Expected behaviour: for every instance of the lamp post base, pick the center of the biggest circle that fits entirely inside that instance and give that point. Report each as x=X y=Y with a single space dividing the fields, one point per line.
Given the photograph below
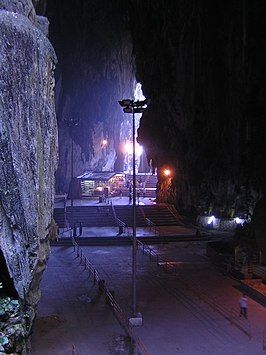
x=136 y=321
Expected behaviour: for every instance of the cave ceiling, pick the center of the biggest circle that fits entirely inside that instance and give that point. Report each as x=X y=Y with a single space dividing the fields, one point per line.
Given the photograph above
x=202 y=65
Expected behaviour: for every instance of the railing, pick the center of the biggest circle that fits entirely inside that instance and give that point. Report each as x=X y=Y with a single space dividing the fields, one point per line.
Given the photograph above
x=264 y=341
x=170 y=208
x=65 y=231
x=119 y=313
x=114 y=213
x=74 y=352
x=152 y=226
x=147 y=250
x=118 y=221
x=259 y=271
x=228 y=313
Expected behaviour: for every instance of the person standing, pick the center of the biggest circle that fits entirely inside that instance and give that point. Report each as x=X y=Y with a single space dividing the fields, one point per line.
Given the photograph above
x=138 y=195
x=144 y=193
x=243 y=304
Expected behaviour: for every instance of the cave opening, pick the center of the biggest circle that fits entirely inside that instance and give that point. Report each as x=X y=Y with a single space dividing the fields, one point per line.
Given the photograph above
x=8 y=288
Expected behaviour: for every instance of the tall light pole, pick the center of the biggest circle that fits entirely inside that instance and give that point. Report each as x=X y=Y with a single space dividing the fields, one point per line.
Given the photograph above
x=131 y=106
x=71 y=123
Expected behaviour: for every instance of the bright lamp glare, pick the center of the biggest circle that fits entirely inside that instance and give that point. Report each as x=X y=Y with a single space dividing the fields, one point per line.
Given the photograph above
x=167 y=172
x=239 y=220
x=211 y=219
x=128 y=148
x=139 y=150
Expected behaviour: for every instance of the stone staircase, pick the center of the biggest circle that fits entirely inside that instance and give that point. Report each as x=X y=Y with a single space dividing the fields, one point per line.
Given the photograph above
x=149 y=183
x=88 y=216
x=104 y=216
x=162 y=215
x=59 y=217
x=125 y=214
x=159 y=215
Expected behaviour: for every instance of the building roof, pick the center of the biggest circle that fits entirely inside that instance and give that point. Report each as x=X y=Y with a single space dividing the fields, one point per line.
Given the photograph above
x=97 y=175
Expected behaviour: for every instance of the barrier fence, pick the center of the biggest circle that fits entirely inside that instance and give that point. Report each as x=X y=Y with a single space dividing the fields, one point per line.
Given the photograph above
x=264 y=341
x=152 y=226
x=137 y=343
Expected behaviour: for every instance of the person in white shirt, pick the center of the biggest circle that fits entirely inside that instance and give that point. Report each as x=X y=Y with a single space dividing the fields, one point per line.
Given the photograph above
x=243 y=304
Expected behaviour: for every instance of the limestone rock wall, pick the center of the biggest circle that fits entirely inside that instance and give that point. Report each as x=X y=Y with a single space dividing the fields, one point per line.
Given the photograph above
x=202 y=64
x=28 y=145
x=95 y=70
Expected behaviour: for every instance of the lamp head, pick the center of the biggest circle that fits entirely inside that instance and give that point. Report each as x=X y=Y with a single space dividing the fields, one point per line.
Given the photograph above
x=139 y=110
x=144 y=103
x=127 y=109
x=125 y=102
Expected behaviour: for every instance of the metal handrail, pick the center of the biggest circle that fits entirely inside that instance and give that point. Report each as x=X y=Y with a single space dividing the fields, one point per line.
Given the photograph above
x=259 y=271
x=119 y=222
x=64 y=231
x=152 y=225
x=120 y=314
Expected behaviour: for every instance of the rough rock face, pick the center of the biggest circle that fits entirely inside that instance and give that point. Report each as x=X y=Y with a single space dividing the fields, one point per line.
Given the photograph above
x=22 y=7
x=28 y=147
x=95 y=70
x=202 y=65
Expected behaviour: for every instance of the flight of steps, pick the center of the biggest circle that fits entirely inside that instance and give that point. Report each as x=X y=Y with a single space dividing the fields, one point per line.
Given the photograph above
x=149 y=182
x=88 y=216
x=103 y=216
x=161 y=215
x=59 y=217
x=125 y=214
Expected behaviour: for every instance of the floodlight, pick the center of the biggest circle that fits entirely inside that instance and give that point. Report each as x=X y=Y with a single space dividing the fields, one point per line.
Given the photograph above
x=125 y=102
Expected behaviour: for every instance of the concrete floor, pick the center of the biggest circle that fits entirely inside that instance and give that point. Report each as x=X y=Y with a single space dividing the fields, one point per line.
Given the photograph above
x=74 y=318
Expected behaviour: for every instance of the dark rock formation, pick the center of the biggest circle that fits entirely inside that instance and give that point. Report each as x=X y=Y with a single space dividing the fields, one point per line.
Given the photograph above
x=206 y=79
x=96 y=69
x=202 y=65
x=28 y=149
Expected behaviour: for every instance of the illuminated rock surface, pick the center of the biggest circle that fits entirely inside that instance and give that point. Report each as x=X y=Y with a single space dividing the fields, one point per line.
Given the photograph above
x=28 y=151
x=202 y=65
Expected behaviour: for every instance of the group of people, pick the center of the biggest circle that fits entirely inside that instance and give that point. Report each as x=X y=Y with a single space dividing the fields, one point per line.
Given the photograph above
x=140 y=189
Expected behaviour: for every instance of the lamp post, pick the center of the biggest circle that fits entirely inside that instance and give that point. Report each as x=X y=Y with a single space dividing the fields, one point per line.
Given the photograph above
x=71 y=123
x=131 y=106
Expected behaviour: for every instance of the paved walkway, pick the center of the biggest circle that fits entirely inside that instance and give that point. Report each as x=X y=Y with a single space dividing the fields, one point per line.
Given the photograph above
x=74 y=318
x=99 y=232
x=94 y=201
